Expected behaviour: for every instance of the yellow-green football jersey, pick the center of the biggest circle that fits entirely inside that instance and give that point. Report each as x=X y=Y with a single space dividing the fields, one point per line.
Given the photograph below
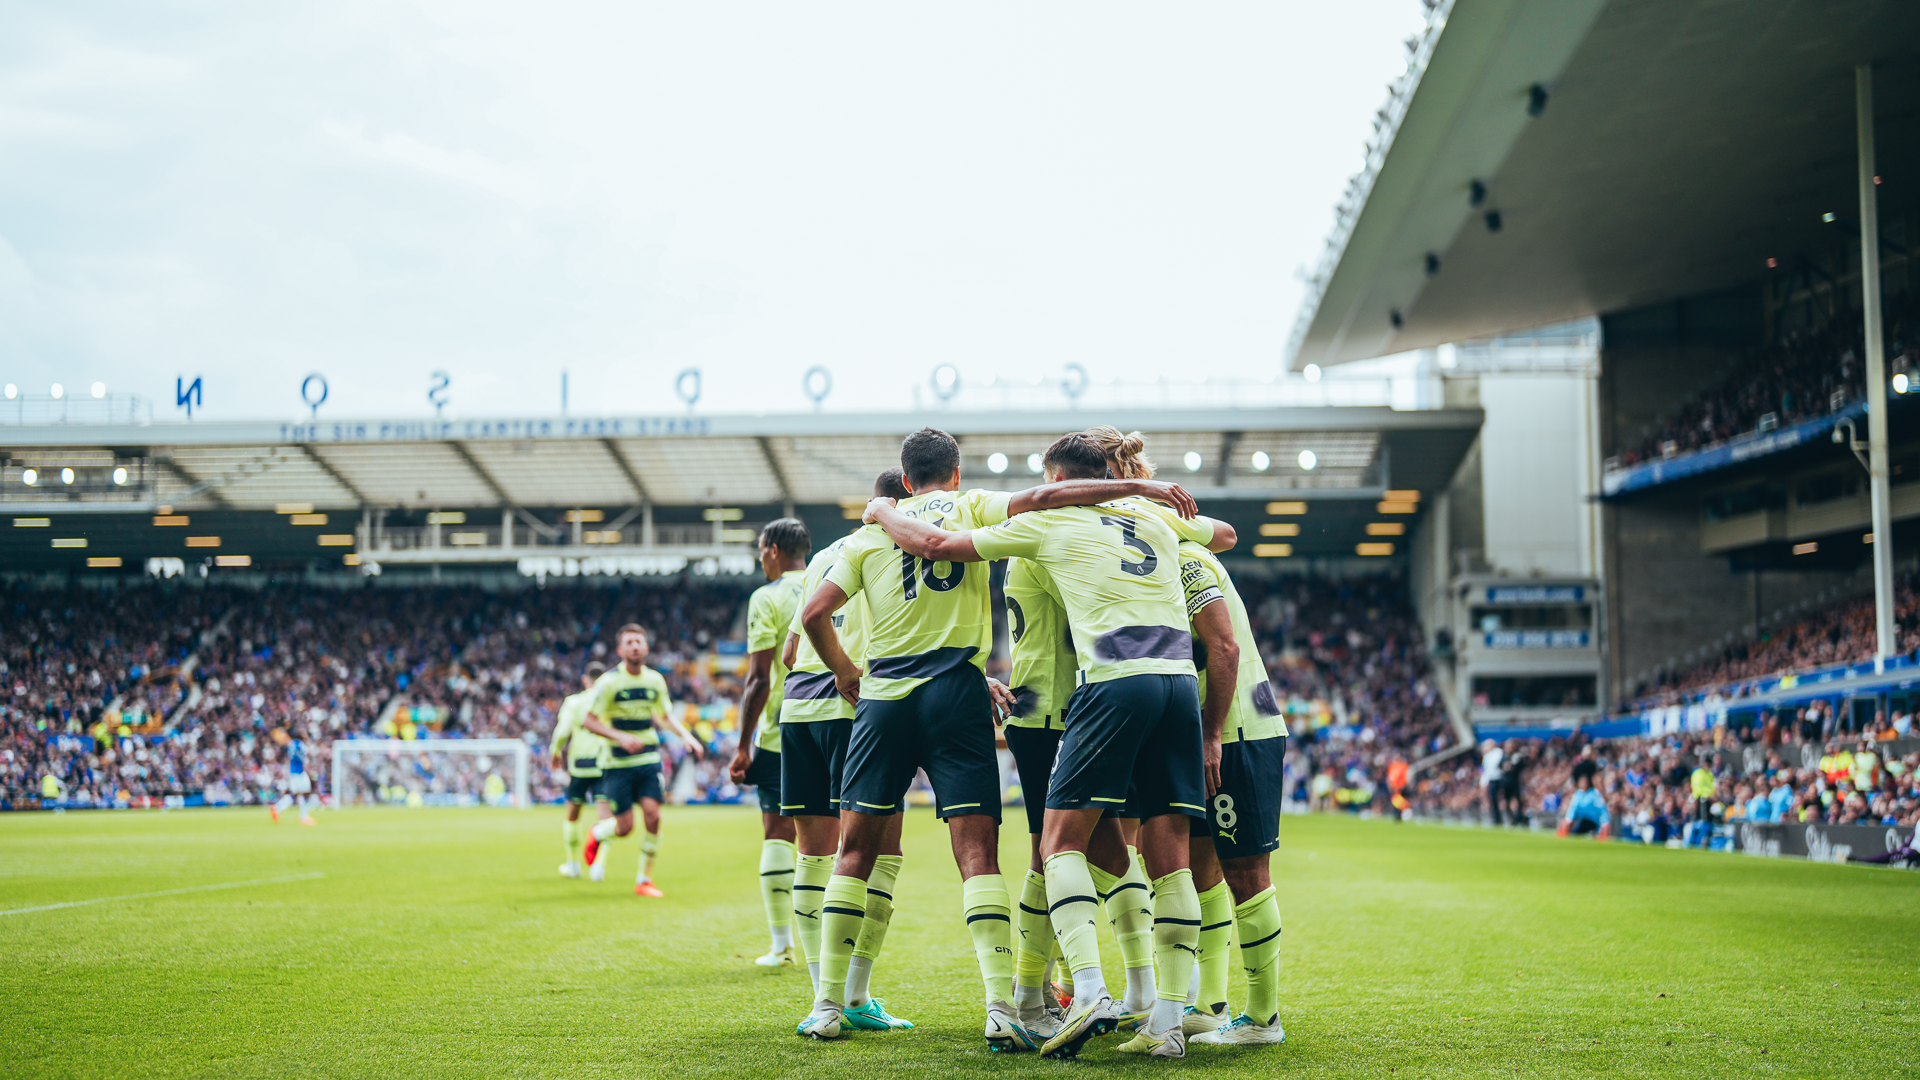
x=769 y=612
x=1044 y=669
x=1256 y=712
x=812 y=693
x=1116 y=570
x=582 y=747
x=923 y=618
x=631 y=703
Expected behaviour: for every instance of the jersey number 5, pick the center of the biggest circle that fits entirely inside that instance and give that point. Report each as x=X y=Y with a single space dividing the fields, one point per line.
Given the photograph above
x=910 y=580
x=1148 y=559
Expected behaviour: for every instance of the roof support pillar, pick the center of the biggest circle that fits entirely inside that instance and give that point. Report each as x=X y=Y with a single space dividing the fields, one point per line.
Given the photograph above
x=1877 y=471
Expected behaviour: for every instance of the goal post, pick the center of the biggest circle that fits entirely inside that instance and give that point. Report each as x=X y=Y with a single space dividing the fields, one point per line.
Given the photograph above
x=432 y=772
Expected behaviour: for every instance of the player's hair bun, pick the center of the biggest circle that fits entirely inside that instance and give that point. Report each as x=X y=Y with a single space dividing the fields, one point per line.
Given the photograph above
x=1126 y=454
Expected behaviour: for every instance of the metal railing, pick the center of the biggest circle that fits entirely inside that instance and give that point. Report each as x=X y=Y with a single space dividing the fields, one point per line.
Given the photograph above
x=998 y=394
x=42 y=409
x=525 y=537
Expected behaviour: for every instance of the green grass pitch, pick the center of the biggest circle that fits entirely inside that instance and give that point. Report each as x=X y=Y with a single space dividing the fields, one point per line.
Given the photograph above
x=442 y=943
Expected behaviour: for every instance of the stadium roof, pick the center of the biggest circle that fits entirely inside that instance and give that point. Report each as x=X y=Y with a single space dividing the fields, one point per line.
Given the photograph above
x=1678 y=147
x=686 y=460
x=635 y=494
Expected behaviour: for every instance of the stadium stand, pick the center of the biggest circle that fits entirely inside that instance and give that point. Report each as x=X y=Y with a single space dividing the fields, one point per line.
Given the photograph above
x=198 y=693
x=101 y=694
x=1648 y=787
x=1803 y=375
x=1836 y=636
x=1355 y=644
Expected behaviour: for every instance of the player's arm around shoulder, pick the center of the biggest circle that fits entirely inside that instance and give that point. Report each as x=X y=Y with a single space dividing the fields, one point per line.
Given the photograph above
x=1090 y=492
x=1224 y=537
x=920 y=538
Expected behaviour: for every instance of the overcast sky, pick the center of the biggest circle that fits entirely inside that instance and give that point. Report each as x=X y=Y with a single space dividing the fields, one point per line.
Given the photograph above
x=253 y=192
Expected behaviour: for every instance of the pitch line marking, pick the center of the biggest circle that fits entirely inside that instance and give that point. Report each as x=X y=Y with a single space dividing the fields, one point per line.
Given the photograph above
x=166 y=892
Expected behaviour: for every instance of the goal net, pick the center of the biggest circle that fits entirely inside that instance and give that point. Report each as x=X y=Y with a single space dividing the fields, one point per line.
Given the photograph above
x=431 y=772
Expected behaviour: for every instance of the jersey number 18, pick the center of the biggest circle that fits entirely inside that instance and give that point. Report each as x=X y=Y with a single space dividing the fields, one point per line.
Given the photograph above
x=910 y=579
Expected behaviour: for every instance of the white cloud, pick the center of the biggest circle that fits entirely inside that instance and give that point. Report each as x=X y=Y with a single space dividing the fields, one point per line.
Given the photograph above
x=376 y=191
x=463 y=166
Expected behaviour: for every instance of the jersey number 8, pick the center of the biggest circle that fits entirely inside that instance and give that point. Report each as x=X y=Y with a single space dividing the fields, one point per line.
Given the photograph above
x=1224 y=816
x=910 y=581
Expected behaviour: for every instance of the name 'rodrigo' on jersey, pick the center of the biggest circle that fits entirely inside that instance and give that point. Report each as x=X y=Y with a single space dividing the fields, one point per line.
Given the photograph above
x=923 y=618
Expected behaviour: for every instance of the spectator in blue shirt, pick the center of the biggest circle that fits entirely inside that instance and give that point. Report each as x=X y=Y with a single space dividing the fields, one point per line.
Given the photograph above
x=1781 y=796
x=1587 y=812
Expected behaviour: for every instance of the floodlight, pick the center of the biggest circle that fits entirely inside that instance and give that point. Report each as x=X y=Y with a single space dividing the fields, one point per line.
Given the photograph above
x=996 y=463
x=120 y=475
x=1193 y=461
x=1261 y=461
x=66 y=476
x=1033 y=463
x=59 y=391
x=1900 y=383
x=30 y=477
x=1312 y=372
x=99 y=390
x=1309 y=460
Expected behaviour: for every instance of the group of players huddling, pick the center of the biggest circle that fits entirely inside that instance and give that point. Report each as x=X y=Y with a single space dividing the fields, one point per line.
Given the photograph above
x=1138 y=703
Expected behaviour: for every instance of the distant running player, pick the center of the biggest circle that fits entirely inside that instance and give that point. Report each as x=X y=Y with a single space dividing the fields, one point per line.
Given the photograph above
x=1133 y=727
x=578 y=751
x=628 y=702
x=1244 y=742
x=784 y=547
x=299 y=784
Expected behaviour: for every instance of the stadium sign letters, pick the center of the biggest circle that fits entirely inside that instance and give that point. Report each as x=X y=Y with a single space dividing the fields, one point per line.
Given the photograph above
x=465 y=430
x=1537 y=639
x=1536 y=594
x=545 y=566
x=1820 y=843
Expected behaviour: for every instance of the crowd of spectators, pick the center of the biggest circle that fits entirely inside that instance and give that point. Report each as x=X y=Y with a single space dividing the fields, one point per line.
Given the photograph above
x=156 y=690
x=160 y=689
x=1806 y=770
x=1355 y=644
x=1840 y=634
x=153 y=690
x=1804 y=374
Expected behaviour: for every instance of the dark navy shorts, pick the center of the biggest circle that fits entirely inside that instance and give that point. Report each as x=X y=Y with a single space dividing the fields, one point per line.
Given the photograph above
x=1033 y=750
x=624 y=787
x=813 y=762
x=944 y=726
x=764 y=775
x=582 y=789
x=1244 y=815
x=1140 y=735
